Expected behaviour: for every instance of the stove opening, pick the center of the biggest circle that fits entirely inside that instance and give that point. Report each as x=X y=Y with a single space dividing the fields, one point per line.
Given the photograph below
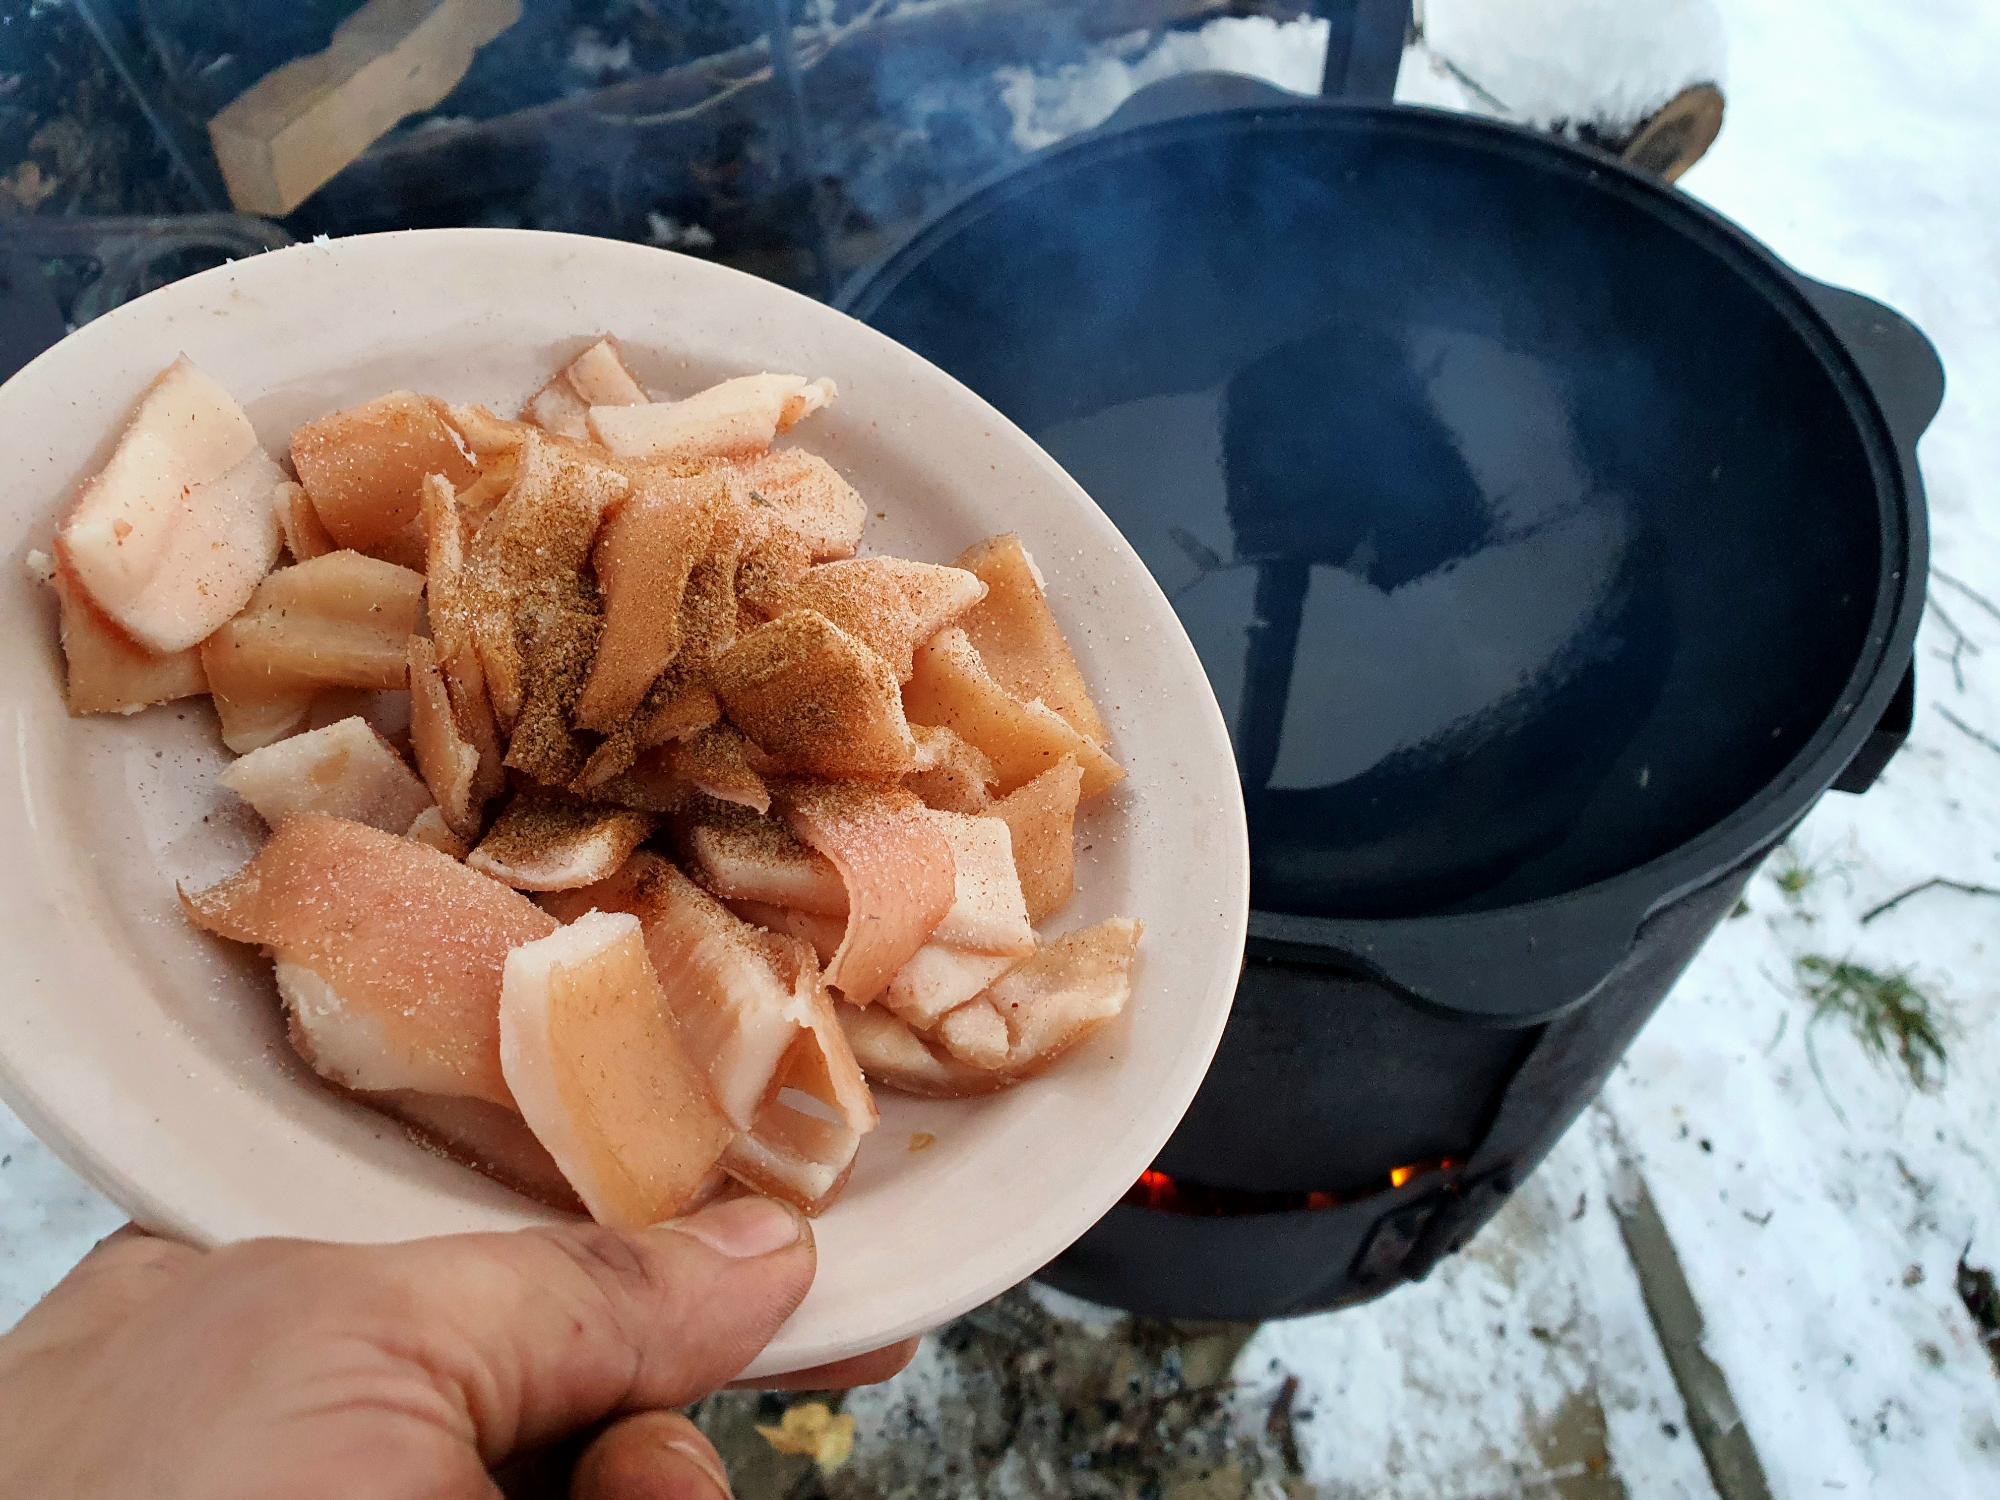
x=1156 y=1190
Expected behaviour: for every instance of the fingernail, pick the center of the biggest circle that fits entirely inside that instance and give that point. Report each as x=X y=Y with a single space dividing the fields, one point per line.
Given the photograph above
x=704 y=1461
x=742 y=1228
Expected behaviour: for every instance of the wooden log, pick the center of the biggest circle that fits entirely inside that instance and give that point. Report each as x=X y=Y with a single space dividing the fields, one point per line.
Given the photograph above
x=298 y=125
x=1675 y=137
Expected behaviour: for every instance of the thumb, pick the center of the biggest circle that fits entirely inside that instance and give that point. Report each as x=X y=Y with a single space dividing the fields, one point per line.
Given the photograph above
x=537 y=1333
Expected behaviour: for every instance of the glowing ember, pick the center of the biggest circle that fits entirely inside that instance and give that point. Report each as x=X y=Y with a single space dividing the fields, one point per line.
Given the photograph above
x=1157 y=1191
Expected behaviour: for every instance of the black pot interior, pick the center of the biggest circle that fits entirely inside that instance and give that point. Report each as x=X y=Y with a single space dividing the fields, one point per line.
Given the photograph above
x=1524 y=532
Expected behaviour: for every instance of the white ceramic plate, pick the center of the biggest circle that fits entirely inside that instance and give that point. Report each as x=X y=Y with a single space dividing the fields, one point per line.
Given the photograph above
x=152 y=1057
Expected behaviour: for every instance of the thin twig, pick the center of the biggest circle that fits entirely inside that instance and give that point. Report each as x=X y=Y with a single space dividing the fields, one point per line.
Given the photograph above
x=1943 y=617
x=1950 y=659
x=810 y=52
x=1968 y=590
x=727 y=91
x=1466 y=80
x=1936 y=882
x=1422 y=42
x=1960 y=642
x=1978 y=734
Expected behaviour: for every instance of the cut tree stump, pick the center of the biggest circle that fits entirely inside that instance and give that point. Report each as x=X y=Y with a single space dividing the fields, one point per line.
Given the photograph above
x=1678 y=134
x=298 y=125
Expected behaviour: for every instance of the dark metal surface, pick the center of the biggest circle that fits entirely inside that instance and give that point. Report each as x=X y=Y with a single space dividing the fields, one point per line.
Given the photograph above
x=1364 y=48
x=1890 y=731
x=1323 y=1082
x=1554 y=535
x=1552 y=549
x=1570 y=1060
x=1166 y=1265
x=1497 y=1118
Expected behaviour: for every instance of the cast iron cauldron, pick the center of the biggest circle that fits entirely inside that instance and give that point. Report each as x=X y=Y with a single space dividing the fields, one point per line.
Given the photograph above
x=1551 y=546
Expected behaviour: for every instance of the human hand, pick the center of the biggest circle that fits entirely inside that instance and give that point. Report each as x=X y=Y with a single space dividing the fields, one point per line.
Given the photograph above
x=393 y=1372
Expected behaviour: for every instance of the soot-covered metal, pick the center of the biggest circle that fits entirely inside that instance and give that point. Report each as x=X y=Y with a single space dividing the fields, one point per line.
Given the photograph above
x=1277 y=1195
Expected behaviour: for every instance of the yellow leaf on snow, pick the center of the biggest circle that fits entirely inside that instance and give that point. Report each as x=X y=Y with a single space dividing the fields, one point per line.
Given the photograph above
x=811 y=1431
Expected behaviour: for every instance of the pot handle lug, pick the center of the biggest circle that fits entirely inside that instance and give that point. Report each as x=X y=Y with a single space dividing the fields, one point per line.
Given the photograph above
x=1899 y=365
x=1901 y=369
x=1519 y=966
x=1884 y=740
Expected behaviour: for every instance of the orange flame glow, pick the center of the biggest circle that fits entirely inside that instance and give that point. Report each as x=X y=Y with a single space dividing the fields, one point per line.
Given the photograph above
x=1156 y=1190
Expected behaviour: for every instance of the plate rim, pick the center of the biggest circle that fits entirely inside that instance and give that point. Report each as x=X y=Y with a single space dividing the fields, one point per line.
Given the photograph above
x=118 y=1168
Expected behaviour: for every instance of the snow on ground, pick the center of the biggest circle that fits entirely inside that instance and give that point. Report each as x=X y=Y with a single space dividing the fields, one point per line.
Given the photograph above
x=1527 y=1362
x=1823 y=1232
x=1468 y=1384
x=48 y=1218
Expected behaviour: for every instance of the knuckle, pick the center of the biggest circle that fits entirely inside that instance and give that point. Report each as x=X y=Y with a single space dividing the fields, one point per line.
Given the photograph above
x=616 y=1263
x=306 y=1285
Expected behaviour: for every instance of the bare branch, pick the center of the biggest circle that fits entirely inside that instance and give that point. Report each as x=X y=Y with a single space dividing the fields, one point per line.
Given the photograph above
x=1935 y=883
x=1968 y=590
x=1978 y=734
